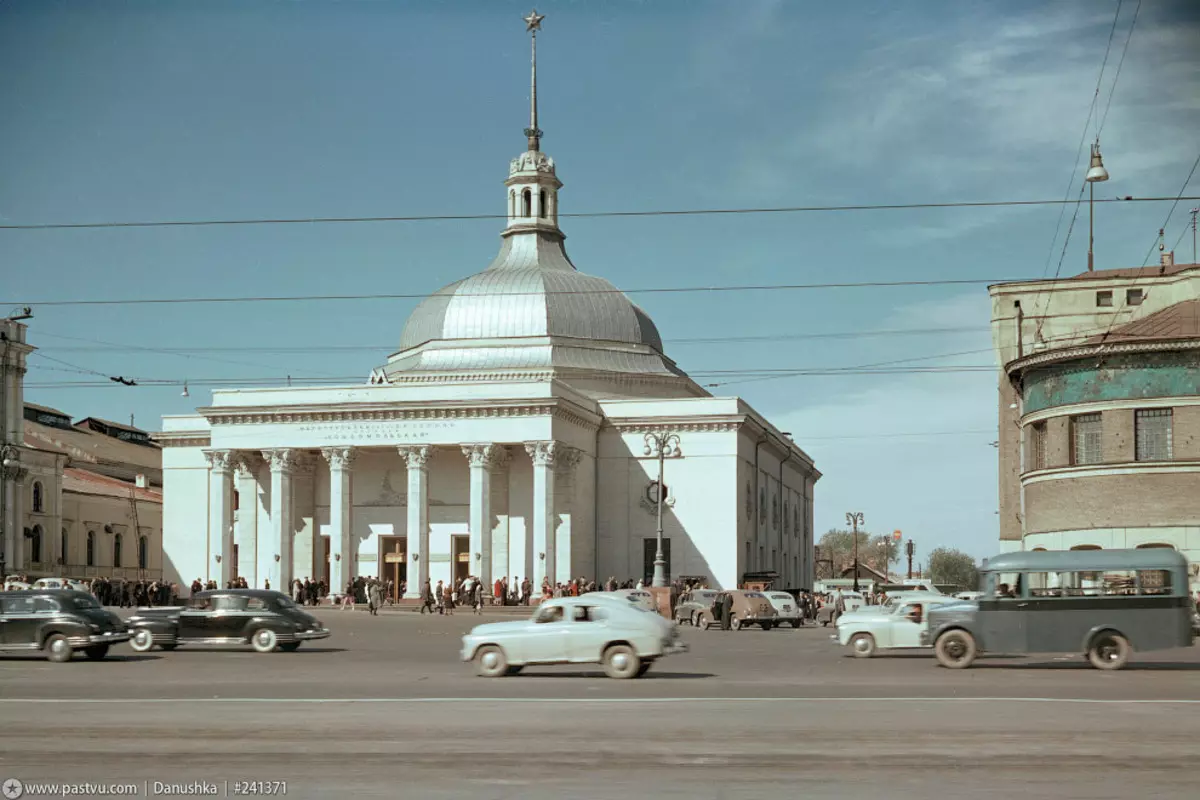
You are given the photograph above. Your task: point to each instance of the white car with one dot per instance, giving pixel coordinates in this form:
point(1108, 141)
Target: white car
point(52, 583)
point(969, 595)
point(624, 638)
point(787, 611)
point(639, 597)
point(888, 626)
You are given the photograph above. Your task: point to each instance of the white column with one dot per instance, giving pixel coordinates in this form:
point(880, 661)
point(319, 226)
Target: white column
point(417, 533)
point(14, 522)
point(279, 569)
point(245, 527)
point(220, 516)
point(482, 458)
point(542, 455)
point(304, 523)
point(341, 558)
point(566, 459)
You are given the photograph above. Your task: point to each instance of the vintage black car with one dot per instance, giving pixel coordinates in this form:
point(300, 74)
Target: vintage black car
point(57, 622)
point(263, 619)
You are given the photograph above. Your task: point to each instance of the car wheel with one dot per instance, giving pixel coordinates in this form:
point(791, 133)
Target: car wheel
point(96, 652)
point(264, 640)
point(290, 647)
point(620, 661)
point(1109, 651)
point(955, 649)
point(142, 640)
point(735, 623)
point(701, 622)
point(863, 645)
point(490, 662)
point(766, 626)
point(57, 648)
point(795, 623)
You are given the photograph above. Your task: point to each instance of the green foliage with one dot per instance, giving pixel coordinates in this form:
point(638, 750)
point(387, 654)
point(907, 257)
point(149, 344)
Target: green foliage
point(951, 566)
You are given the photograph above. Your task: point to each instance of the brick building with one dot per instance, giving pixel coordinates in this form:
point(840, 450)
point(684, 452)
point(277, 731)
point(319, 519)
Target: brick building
point(1099, 408)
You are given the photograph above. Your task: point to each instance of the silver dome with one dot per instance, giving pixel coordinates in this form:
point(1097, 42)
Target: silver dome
point(530, 290)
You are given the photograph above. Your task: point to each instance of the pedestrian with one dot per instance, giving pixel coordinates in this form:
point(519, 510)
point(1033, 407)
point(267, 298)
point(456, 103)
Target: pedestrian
point(439, 598)
point(448, 599)
point(426, 598)
point(375, 596)
point(726, 611)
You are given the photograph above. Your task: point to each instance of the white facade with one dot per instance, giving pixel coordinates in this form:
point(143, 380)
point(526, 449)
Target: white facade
point(507, 437)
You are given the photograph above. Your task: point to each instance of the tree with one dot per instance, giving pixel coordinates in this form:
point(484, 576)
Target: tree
point(882, 551)
point(838, 546)
point(954, 567)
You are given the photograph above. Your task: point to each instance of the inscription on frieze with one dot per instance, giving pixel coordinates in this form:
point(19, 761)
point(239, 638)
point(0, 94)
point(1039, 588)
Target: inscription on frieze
point(382, 432)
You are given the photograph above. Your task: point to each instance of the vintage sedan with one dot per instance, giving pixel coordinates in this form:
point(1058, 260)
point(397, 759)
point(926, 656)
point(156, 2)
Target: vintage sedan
point(691, 605)
point(787, 610)
point(749, 608)
point(624, 638)
point(897, 625)
point(57, 623)
point(264, 619)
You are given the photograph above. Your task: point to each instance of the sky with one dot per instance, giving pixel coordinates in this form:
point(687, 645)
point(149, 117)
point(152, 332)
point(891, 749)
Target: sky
point(218, 110)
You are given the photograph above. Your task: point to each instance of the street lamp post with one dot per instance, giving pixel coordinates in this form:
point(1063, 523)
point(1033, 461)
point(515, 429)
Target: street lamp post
point(10, 462)
point(664, 445)
point(1095, 174)
point(854, 519)
point(911, 549)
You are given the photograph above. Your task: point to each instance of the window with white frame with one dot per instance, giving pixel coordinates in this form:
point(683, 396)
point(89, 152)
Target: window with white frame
point(1152, 434)
point(1087, 439)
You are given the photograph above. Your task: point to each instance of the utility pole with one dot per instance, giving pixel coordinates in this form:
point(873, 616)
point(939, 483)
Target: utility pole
point(1195, 211)
point(911, 550)
point(854, 519)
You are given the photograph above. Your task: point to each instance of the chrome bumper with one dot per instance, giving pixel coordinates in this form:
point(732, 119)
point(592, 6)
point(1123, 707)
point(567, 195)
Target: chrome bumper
point(108, 637)
point(317, 633)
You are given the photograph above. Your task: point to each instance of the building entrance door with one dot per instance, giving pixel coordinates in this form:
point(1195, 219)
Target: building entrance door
point(325, 573)
point(395, 565)
point(460, 549)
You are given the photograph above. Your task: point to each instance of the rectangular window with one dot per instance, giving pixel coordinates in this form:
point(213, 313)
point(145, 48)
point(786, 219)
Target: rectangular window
point(1134, 297)
point(1154, 581)
point(1087, 443)
point(1103, 299)
point(1152, 434)
point(1037, 446)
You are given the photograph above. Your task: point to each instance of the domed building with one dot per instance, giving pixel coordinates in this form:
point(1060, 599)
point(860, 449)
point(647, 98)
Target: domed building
point(514, 434)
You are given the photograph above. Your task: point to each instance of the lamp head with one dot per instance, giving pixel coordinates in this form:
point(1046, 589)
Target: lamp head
point(1096, 172)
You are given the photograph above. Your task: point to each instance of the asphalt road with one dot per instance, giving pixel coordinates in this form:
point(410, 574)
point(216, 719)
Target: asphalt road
point(383, 708)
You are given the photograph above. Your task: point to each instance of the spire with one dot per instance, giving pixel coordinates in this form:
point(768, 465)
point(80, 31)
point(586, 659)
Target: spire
point(533, 24)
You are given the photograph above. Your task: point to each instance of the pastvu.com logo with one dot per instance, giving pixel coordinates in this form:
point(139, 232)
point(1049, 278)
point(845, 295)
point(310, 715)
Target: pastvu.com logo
point(12, 789)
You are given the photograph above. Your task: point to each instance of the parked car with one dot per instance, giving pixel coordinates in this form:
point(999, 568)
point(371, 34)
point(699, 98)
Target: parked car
point(53, 583)
point(787, 610)
point(853, 600)
point(16, 585)
point(884, 627)
point(692, 604)
point(261, 618)
point(749, 608)
point(625, 639)
point(57, 622)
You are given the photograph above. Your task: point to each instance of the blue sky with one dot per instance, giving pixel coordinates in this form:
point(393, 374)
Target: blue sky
point(118, 111)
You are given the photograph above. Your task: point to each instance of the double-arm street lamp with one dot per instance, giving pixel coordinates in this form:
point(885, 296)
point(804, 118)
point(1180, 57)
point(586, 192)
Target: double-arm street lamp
point(854, 519)
point(664, 445)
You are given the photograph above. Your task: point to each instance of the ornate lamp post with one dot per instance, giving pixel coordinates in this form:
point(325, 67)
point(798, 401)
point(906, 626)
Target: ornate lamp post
point(854, 519)
point(664, 445)
point(1096, 174)
point(10, 467)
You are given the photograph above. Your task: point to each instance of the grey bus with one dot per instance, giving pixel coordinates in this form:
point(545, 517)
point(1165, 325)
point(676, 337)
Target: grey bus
point(1103, 603)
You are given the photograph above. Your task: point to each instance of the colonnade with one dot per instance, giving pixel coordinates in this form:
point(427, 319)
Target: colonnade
point(276, 546)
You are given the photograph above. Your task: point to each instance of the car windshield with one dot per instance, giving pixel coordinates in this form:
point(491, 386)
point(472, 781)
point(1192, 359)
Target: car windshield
point(285, 602)
point(781, 596)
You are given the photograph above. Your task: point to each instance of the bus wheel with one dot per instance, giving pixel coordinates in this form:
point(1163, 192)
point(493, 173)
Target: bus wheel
point(1109, 650)
point(955, 649)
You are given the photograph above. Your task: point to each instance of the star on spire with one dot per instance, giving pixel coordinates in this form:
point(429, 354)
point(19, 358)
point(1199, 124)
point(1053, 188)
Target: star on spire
point(533, 22)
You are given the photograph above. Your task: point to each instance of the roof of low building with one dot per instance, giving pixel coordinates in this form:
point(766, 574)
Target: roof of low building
point(48, 410)
point(1178, 321)
point(1156, 271)
point(89, 447)
point(82, 481)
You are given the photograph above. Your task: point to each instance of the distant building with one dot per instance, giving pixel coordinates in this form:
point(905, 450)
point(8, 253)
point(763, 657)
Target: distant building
point(1099, 408)
point(80, 500)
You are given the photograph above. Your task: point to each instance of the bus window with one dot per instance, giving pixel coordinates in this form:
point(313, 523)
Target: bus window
point(1154, 581)
point(1004, 584)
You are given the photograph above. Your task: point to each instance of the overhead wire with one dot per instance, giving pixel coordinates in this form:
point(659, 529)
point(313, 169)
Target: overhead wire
point(1174, 205)
point(576, 215)
point(1117, 76)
